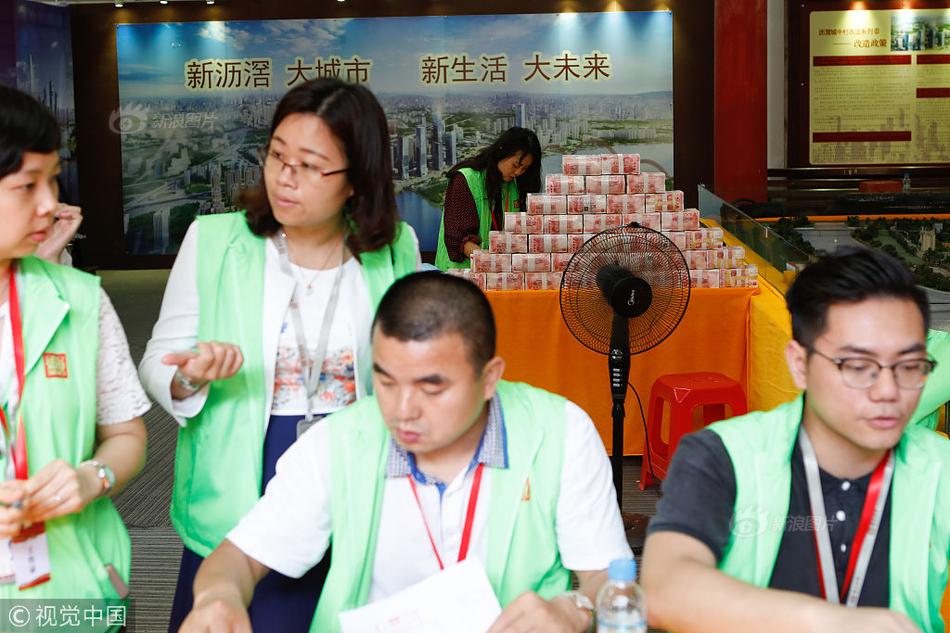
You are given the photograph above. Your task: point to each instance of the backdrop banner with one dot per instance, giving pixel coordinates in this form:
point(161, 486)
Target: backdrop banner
point(196, 100)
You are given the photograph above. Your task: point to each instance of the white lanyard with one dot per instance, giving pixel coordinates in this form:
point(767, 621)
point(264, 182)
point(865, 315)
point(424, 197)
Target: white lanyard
point(312, 365)
point(867, 529)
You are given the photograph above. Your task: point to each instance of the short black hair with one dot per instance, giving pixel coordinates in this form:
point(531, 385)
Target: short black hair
point(25, 126)
point(850, 275)
point(423, 306)
point(356, 118)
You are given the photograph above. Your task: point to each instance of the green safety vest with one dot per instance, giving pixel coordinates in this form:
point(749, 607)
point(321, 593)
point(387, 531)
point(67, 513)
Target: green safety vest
point(760, 446)
point(476, 184)
point(937, 390)
point(219, 457)
point(60, 309)
point(522, 552)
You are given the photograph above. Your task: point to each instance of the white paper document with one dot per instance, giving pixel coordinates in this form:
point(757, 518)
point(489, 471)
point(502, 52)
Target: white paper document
point(459, 599)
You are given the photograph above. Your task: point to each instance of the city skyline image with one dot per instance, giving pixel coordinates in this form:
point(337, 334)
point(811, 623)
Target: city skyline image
point(193, 117)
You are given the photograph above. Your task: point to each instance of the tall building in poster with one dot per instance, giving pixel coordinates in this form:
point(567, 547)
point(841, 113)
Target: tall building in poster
point(406, 154)
point(520, 119)
point(402, 156)
point(160, 229)
point(217, 203)
point(451, 149)
point(422, 161)
point(438, 162)
point(438, 131)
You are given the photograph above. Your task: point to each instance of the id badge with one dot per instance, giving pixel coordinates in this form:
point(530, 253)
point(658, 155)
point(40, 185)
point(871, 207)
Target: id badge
point(30, 552)
point(6, 563)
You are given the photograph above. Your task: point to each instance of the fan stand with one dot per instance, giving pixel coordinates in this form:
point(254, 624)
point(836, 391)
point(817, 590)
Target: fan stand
point(634, 524)
point(622, 264)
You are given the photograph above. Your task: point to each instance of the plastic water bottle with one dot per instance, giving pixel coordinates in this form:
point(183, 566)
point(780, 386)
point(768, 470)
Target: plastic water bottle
point(905, 185)
point(621, 607)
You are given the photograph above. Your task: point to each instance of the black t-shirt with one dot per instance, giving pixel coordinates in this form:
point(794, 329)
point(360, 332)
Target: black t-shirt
point(699, 496)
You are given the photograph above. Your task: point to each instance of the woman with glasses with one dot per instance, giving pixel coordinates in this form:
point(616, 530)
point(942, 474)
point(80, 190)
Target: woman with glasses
point(265, 324)
point(482, 190)
point(71, 434)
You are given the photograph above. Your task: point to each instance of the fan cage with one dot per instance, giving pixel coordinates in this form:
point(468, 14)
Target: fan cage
point(645, 253)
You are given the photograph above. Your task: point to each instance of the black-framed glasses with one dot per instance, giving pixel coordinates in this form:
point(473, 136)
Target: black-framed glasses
point(861, 373)
point(270, 159)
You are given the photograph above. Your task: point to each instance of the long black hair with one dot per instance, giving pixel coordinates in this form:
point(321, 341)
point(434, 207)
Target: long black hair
point(515, 140)
point(355, 117)
point(25, 126)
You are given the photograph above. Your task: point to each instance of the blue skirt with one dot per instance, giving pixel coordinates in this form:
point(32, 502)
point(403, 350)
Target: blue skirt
point(280, 603)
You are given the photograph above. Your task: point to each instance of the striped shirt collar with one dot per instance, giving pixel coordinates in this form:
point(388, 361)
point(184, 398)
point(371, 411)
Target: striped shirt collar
point(492, 450)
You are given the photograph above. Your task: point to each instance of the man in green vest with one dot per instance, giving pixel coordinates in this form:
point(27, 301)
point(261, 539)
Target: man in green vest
point(445, 462)
point(827, 513)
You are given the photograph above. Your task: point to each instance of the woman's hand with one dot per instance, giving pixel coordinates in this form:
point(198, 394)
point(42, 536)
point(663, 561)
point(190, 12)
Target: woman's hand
point(59, 489)
point(65, 224)
point(470, 246)
point(13, 497)
point(209, 361)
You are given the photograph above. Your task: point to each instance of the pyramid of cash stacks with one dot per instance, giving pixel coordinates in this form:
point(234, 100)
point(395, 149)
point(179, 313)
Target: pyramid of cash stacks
point(595, 193)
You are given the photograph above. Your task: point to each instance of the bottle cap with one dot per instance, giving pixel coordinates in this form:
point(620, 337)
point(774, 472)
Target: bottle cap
point(623, 570)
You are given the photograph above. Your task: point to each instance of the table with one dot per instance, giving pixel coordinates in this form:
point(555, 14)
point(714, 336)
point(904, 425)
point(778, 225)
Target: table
point(540, 350)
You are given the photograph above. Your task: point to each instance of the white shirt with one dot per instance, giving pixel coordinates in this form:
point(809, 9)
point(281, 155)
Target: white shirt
point(288, 530)
point(338, 386)
point(177, 326)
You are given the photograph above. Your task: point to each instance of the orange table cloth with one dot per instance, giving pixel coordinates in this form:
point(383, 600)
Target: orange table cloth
point(540, 350)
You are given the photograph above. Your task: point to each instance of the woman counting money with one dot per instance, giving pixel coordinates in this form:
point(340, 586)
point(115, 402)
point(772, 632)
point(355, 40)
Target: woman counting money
point(482, 189)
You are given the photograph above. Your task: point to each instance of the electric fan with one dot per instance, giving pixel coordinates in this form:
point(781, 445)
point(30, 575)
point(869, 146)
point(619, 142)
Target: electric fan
point(623, 293)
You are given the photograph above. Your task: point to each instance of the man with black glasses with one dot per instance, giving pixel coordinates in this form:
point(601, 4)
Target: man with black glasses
point(781, 520)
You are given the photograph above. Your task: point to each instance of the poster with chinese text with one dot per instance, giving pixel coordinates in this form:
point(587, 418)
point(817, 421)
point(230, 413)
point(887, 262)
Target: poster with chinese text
point(879, 89)
point(196, 100)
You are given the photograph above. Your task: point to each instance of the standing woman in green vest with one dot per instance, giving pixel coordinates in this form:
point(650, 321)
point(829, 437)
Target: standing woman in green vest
point(265, 324)
point(482, 189)
point(71, 434)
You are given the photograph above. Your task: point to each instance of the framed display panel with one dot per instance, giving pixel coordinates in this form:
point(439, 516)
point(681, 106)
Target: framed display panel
point(869, 86)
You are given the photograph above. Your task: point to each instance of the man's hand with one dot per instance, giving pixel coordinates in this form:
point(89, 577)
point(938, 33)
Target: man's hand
point(218, 612)
point(530, 612)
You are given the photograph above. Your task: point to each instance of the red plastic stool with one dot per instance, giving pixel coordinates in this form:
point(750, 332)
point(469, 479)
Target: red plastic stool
point(683, 393)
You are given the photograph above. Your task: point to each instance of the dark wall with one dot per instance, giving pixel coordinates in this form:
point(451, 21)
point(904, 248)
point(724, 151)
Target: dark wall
point(7, 43)
point(97, 92)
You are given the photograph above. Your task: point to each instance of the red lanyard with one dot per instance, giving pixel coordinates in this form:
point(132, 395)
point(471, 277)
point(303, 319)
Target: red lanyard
point(864, 538)
point(19, 454)
point(469, 516)
point(875, 488)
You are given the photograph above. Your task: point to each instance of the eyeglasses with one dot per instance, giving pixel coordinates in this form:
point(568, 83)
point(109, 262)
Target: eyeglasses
point(861, 373)
point(272, 160)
